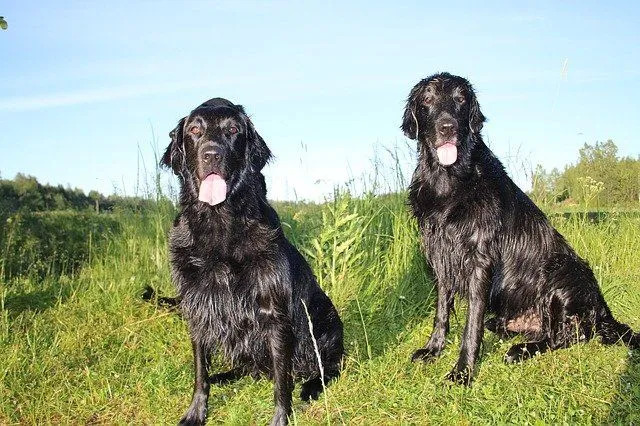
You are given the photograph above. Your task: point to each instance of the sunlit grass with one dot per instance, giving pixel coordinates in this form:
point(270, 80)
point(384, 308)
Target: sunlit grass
point(84, 348)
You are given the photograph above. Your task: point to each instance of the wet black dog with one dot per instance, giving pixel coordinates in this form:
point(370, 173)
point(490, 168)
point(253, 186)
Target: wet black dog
point(242, 286)
point(484, 238)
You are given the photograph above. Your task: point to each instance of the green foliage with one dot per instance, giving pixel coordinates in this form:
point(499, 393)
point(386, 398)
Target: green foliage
point(84, 348)
point(3, 23)
point(50, 243)
point(600, 178)
point(25, 194)
point(544, 189)
point(336, 250)
point(78, 345)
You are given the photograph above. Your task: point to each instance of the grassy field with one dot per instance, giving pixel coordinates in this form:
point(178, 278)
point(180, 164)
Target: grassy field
point(78, 345)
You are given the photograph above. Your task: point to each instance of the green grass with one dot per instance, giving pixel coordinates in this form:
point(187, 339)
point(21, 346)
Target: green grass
point(82, 347)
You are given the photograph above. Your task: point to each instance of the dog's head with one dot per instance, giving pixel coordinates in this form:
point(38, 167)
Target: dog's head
point(443, 113)
point(214, 149)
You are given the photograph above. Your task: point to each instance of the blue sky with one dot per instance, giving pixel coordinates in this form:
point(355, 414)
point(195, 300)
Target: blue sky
point(84, 86)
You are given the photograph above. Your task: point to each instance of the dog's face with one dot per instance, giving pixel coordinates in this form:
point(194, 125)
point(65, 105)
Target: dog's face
point(215, 141)
point(442, 112)
point(214, 148)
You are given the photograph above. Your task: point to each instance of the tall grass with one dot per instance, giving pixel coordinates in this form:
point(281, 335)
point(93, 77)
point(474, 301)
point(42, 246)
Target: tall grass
point(52, 243)
point(81, 347)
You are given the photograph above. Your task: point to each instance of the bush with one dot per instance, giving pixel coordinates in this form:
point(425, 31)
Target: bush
point(600, 178)
point(51, 242)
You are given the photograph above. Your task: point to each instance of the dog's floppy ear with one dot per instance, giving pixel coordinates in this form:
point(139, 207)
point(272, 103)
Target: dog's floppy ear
point(174, 156)
point(258, 153)
point(476, 118)
point(409, 119)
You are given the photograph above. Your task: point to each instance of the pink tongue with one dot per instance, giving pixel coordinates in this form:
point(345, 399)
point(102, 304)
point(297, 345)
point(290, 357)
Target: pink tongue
point(447, 154)
point(213, 190)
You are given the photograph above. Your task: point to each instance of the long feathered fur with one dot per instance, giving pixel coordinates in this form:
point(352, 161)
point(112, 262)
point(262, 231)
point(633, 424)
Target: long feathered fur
point(485, 239)
point(240, 282)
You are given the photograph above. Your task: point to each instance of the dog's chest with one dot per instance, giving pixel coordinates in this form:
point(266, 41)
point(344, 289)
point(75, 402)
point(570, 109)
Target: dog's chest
point(449, 223)
point(219, 300)
point(222, 312)
point(456, 232)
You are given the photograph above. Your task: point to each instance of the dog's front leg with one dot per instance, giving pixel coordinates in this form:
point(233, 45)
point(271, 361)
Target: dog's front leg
point(281, 352)
point(197, 412)
point(433, 348)
point(473, 331)
point(280, 340)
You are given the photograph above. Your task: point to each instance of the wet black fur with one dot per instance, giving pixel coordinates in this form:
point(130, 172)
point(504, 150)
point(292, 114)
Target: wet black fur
point(241, 284)
point(484, 238)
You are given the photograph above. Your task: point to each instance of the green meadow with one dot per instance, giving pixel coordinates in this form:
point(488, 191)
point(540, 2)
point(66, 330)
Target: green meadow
point(79, 346)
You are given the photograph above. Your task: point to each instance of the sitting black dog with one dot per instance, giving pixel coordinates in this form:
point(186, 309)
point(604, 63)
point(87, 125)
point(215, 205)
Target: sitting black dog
point(243, 288)
point(485, 238)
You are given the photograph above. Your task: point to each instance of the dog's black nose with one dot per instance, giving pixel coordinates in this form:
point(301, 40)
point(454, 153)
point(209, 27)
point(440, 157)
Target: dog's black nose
point(212, 156)
point(446, 128)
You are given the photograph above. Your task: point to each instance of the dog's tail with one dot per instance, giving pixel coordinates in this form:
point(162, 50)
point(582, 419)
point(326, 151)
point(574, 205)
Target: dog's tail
point(611, 331)
point(150, 295)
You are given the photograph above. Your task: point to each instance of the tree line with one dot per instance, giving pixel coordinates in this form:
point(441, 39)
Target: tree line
point(599, 178)
point(24, 194)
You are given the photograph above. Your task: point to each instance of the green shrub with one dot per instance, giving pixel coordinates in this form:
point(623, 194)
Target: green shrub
point(46, 243)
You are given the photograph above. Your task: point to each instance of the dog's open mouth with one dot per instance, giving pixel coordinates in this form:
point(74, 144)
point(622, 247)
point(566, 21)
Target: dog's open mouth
point(447, 153)
point(213, 189)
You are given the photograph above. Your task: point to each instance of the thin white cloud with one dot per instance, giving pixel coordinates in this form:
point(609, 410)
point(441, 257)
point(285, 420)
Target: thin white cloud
point(27, 103)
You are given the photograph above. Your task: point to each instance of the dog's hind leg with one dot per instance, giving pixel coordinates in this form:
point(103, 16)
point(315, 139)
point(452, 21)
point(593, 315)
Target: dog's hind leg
point(566, 320)
point(568, 334)
point(312, 388)
point(227, 376)
point(611, 332)
point(560, 325)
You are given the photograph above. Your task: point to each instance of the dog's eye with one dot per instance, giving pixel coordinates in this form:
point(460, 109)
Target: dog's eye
point(459, 99)
point(195, 131)
point(233, 130)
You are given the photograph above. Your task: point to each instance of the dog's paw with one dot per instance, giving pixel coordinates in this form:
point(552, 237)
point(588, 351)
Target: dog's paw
point(492, 325)
point(425, 355)
point(460, 376)
point(517, 353)
point(195, 416)
point(311, 390)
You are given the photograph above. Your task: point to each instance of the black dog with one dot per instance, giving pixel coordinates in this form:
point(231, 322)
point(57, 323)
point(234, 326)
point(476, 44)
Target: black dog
point(484, 238)
point(241, 284)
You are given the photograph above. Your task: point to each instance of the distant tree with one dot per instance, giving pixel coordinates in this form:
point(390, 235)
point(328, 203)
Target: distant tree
point(544, 187)
point(59, 202)
point(28, 190)
point(3, 23)
point(619, 175)
point(24, 193)
point(96, 196)
point(599, 178)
